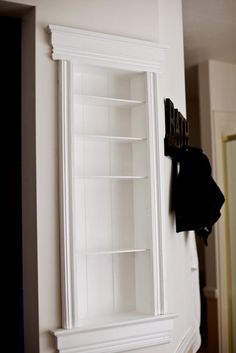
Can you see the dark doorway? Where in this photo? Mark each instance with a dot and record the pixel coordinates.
(11, 224)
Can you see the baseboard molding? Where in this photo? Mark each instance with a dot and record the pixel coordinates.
(191, 340)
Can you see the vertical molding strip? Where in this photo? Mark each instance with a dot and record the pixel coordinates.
(162, 204)
(65, 195)
(156, 191)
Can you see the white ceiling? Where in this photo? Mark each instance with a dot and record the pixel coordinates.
(209, 30)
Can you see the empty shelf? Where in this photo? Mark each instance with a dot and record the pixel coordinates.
(111, 252)
(110, 101)
(108, 138)
(118, 177)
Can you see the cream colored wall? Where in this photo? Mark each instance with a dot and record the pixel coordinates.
(222, 78)
(217, 88)
(217, 91)
(145, 19)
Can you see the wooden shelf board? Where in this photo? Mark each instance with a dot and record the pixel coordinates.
(111, 252)
(117, 177)
(108, 138)
(109, 101)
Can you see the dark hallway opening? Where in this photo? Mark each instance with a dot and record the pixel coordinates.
(11, 235)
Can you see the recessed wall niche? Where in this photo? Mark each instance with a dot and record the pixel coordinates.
(111, 119)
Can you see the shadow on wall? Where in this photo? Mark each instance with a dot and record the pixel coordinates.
(193, 109)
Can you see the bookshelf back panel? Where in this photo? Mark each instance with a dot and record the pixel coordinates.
(104, 120)
(111, 216)
(115, 284)
(110, 83)
(109, 158)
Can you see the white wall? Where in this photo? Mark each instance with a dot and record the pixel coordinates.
(182, 276)
(144, 19)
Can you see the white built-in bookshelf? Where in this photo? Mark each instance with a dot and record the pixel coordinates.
(111, 188)
(111, 193)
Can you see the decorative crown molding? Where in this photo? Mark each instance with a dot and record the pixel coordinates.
(105, 49)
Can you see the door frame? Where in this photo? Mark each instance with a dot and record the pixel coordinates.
(27, 14)
(223, 124)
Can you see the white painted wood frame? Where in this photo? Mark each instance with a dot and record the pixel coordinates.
(82, 55)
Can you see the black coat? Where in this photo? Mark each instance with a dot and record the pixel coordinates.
(197, 198)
